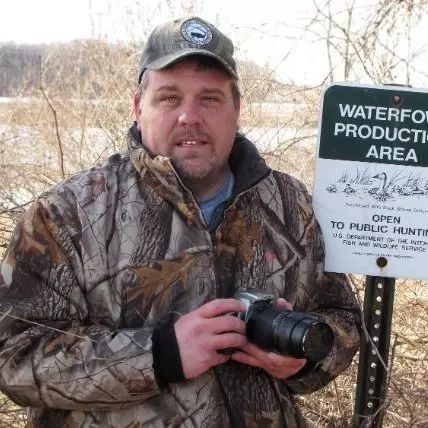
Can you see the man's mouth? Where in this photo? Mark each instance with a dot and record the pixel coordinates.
(189, 143)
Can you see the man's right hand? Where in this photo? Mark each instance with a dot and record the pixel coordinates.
(204, 331)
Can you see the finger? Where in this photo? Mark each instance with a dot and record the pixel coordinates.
(228, 340)
(283, 304)
(282, 372)
(226, 323)
(219, 307)
(219, 359)
(284, 360)
(278, 374)
(244, 358)
(256, 352)
(283, 366)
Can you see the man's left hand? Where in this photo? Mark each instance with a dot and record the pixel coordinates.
(278, 366)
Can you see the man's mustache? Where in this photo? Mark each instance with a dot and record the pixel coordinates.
(190, 134)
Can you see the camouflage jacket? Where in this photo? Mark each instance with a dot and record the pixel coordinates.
(96, 262)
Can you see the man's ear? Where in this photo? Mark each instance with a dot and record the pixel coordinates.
(137, 109)
(238, 109)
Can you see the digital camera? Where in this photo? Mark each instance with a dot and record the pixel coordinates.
(295, 334)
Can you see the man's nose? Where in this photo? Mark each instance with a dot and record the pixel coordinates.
(190, 114)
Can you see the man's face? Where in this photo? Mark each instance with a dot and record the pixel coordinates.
(188, 114)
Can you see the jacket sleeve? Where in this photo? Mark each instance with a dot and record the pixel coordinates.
(335, 305)
(51, 355)
(329, 297)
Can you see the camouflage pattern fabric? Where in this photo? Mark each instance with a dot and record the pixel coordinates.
(96, 262)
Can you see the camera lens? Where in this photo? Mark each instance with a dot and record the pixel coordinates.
(290, 333)
(309, 338)
(317, 341)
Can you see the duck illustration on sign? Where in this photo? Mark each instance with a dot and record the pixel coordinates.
(379, 186)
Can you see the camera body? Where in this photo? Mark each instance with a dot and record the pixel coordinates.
(295, 334)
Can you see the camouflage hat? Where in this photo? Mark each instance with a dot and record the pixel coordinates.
(183, 37)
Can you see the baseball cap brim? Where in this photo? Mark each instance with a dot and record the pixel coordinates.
(169, 59)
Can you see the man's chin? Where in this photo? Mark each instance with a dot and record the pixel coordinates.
(194, 173)
(190, 171)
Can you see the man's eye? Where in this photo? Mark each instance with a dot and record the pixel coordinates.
(170, 98)
(209, 99)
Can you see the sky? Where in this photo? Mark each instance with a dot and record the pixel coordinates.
(269, 32)
(261, 31)
(53, 20)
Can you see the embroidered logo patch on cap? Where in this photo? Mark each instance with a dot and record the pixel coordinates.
(195, 31)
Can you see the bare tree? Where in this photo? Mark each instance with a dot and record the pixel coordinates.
(375, 41)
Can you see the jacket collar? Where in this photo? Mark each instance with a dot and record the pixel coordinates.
(247, 165)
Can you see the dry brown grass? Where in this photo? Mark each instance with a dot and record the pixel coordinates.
(11, 415)
(407, 396)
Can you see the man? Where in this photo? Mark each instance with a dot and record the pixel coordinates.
(117, 287)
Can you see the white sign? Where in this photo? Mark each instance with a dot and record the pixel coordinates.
(371, 180)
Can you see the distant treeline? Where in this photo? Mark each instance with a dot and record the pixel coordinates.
(25, 67)
(19, 64)
(93, 68)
